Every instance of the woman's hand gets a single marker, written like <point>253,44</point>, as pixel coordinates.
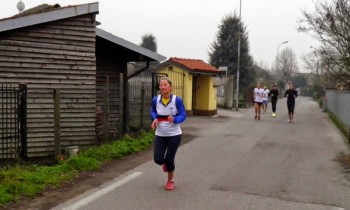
<point>171,119</point>
<point>154,124</point>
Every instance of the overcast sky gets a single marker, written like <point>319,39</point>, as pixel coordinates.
<point>187,28</point>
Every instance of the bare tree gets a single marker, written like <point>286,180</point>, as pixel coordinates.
<point>330,24</point>
<point>263,64</point>
<point>312,63</point>
<point>287,64</point>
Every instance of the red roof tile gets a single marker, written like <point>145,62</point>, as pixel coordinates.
<point>195,65</point>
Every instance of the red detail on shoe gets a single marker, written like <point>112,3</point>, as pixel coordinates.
<point>170,185</point>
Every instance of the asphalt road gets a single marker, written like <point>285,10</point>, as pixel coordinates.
<point>237,162</point>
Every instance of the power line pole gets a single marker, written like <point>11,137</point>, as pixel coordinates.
<point>239,54</point>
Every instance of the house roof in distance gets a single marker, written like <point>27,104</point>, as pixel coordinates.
<point>192,65</point>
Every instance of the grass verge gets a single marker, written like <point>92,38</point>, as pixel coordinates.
<point>344,160</point>
<point>340,125</point>
<point>31,180</point>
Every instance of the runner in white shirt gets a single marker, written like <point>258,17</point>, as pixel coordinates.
<point>258,100</point>
<point>265,98</point>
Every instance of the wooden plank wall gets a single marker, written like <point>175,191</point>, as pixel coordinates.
<point>57,55</point>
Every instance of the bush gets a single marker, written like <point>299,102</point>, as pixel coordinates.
<point>320,102</point>
<point>316,95</point>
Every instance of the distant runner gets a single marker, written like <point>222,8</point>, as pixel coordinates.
<point>291,94</point>
<point>274,96</point>
<point>265,98</point>
<point>258,100</point>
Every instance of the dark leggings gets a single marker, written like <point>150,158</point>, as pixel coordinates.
<point>290,105</point>
<point>165,148</point>
<point>273,103</point>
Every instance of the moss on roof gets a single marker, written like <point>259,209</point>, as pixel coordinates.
<point>35,10</point>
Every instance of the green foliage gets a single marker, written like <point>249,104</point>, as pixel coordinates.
<point>224,51</point>
<point>30,180</point>
<point>127,145</point>
<point>318,91</point>
<point>316,95</point>
<point>81,163</point>
<point>320,102</point>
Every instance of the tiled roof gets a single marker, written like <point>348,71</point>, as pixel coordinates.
<point>195,65</point>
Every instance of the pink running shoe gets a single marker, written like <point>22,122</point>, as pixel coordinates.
<point>170,185</point>
<point>164,167</point>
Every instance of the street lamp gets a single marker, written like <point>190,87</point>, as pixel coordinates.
<point>285,42</point>
<point>239,53</point>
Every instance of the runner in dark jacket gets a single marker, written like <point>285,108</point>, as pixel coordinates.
<point>291,94</point>
<point>274,96</point>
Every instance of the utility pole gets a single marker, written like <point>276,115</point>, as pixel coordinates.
<point>277,59</point>
<point>239,53</point>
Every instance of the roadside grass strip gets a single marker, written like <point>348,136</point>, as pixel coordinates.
<point>340,125</point>
<point>30,180</point>
<point>344,160</point>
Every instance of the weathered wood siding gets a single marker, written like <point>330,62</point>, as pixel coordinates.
<point>57,55</point>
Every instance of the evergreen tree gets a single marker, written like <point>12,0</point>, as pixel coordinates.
<point>149,42</point>
<point>224,51</point>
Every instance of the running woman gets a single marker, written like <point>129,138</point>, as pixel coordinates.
<point>167,113</point>
<point>291,94</point>
<point>258,100</point>
<point>265,98</point>
<point>274,96</point>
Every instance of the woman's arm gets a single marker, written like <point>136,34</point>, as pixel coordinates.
<point>181,116</point>
<point>153,110</point>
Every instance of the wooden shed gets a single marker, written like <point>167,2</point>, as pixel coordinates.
<point>59,48</point>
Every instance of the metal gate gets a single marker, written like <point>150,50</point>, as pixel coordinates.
<point>13,117</point>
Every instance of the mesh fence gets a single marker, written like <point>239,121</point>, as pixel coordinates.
<point>338,102</point>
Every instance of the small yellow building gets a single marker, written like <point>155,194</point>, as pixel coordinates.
<point>193,81</point>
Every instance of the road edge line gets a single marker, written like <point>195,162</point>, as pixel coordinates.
<point>101,192</point>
